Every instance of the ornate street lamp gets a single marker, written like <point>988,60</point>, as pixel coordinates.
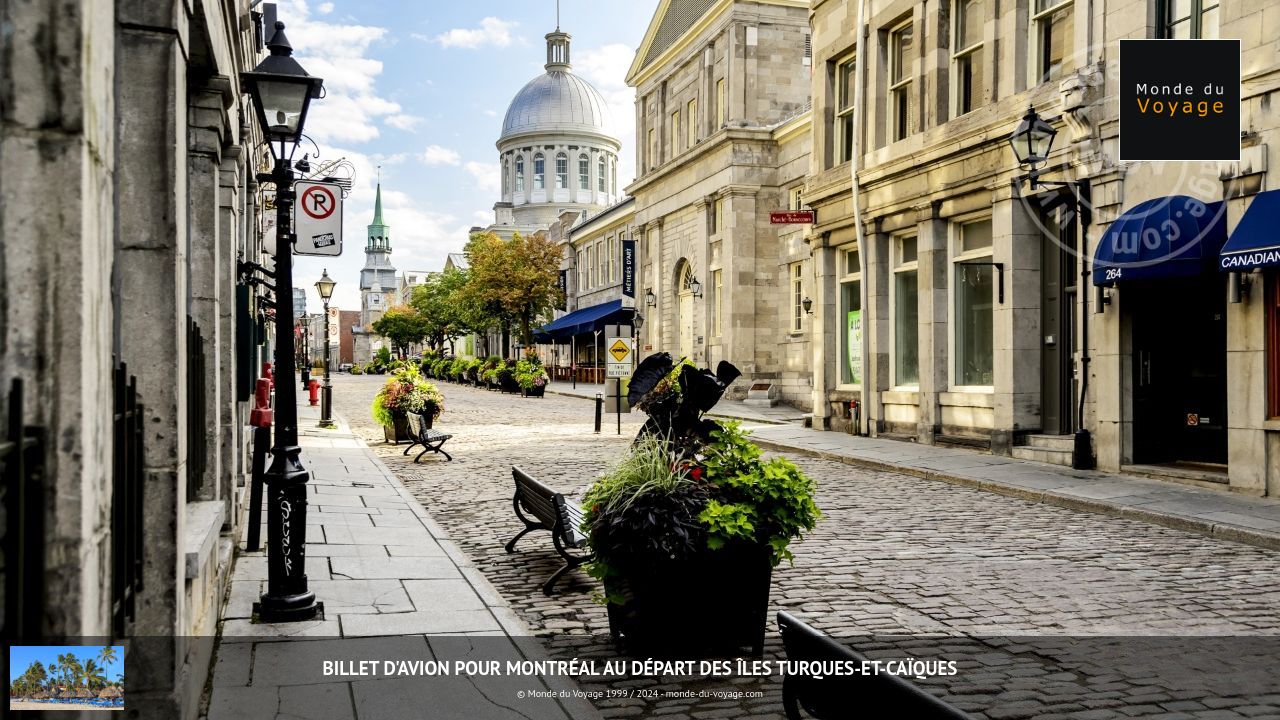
<point>695,287</point>
<point>649,298</point>
<point>1032,141</point>
<point>324,286</point>
<point>281,92</point>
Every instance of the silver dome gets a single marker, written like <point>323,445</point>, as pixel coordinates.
<point>558,102</point>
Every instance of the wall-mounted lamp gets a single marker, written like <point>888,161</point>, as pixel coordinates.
<point>1238,287</point>
<point>696,287</point>
<point>638,321</point>
<point>649,298</point>
<point>807,304</point>
<point>1101,298</point>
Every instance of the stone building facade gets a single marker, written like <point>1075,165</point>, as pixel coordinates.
<point>956,303</point>
<point>127,148</point>
<point>722,99</point>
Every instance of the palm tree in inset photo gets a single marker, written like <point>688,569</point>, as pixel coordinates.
<point>107,655</point>
<point>92,677</point>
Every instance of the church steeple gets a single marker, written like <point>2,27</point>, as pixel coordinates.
<point>379,234</point>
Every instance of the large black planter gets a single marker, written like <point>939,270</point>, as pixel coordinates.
<point>535,391</point>
<point>399,432</point>
<point>714,604</point>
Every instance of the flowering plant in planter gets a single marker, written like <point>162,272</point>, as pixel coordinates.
<point>687,526</point>
<point>530,374</point>
<point>406,391</point>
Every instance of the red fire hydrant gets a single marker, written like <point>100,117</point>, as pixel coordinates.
<point>260,416</point>
<point>266,373</point>
<point>313,388</point>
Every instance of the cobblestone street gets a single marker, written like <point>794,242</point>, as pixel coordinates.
<point>1041,606</point>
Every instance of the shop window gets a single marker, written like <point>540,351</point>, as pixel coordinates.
<point>966,58</point>
<point>797,296</point>
<point>850,319</point>
<point>974,282</point>
<point>906,313</point>
<point>1051,26</point>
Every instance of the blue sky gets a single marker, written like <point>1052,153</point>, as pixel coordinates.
<point>21,657</point>
<point>420,88</point>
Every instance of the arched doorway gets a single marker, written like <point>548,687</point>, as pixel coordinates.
<point>684,309</point>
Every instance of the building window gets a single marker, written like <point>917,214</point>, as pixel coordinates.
<point>721,99</point>
<point>1273,343</point>
<point>691,118</point>
<point>846,79</point>
<point>1052,28</point>
<point>653,149</point>
<point>796,274</point>
<point>583,264</point>
<point>600,173</point>
<point>974,283</point>
<point>591,268</point>
<point>715,216</point>
<point>562,171</point>
<point>850,319</point>
<point>584,172</point>
<point>901,44</point>
<point>675,133</point>
<point>520,174</point>
<point>1184,19</point>
<point>967,56</point>
<point>717,303</point>
<point>602,264</point>
<point>539,172</point>
<point>793,198</point>
<point>906,313</point>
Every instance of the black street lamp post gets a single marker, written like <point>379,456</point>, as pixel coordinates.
<point>282,91</point>
<point>324,286</point>
<point>1032,141</point>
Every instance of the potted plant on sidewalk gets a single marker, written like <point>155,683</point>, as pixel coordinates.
<point>405,392</point>
<point>531,376</point>
<point>687,527</point>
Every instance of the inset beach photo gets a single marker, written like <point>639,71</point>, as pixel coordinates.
<point>66,677</point>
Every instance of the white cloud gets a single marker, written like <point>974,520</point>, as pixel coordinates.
<point>606,68</point>
<point>491,113</point>
<point>492,31</point>
<point>404,122</point>
<point>324,8</point>
<point>436,155</point>
<point>488,178</point>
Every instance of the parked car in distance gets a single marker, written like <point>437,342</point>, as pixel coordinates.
<point>344,367</point>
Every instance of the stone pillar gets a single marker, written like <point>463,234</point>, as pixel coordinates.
<point>56,152</point>
<point>931,252</point>
<point>826,336</point>
<point>151,263</point>
<point>204,161</point>
<point>1016,323</point>
<point>877,327</point>
<point>230,226</point>
<point>742,293</point>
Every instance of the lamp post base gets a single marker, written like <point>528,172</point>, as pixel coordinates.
<point>296,608</point>
<point>1082,454</point>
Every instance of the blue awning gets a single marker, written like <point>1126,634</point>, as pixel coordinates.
<point>583,320</point>
<point>1255,242</point>
<point>1165,237</point>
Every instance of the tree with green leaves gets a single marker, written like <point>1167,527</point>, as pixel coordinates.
<point>518,278</point>
<point>445,308</point>
<point>107,655</point>
<point>402,326</point>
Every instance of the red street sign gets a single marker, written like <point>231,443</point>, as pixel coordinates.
<point>792,217</point>
<point>318,202</point>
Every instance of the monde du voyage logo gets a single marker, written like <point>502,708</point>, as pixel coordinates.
<point>1179,99</point>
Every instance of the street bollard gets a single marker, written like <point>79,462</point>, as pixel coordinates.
<point>306,377</point>
<point>599,410</point>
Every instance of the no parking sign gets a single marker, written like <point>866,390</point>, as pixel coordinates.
<point>317,218</point>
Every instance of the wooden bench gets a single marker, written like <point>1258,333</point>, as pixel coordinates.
<point>837,697</point>
<point>420,433</point>
<point>541,508</point>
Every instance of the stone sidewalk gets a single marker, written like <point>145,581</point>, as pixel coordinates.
<point>1255,521</point>
<point>394,587</point>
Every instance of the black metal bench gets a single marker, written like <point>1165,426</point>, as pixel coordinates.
<point>420,433</point>
<point>550,511</point>
<point>841,697</point>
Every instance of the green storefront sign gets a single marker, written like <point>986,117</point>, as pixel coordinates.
<point>854,346</point>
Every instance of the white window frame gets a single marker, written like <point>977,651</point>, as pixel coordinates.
<point>691,122</point>
<point>1034,67</point>
<point>601,171</point>
<point>519,173</point>
<point>904,82</point>
<point>959,55</point>
<point>584,172</point>
<point>957,254</point>
<point>899,266</point>
<point>845,111</point>
<point>539,172</point>
<point>842,326</point>
<point>795,278</point>
<point>562,171</point>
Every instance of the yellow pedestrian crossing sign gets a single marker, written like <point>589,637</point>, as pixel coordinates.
<point>620,349</point>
